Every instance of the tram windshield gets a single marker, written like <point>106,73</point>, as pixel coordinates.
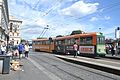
<point>100,40</point>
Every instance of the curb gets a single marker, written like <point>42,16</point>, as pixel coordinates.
<point>99,66</point>
<point>113,57</point>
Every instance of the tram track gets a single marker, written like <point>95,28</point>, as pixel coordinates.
<point>57,68</point>
<point>79,68</point>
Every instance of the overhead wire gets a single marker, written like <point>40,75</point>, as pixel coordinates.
<point>105,9</point>
<point>36,4</point>
<point>46,13</point>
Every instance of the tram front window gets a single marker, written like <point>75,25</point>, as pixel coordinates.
<point>101,40</point>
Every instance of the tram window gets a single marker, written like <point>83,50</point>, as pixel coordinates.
<point>47,42</point>
<point>55,42</point>
<point>89,40</point>
<point>76,40</point>
<point>86,40</point>
<point>44,42</point>
<point>40,42</point>
<point>82,40</point>
<point>100,40</point>
<point>73,40</point>
<point>33,42</point>
<point>58,42</point>
<point>37,42</point>
<point>67,41</point>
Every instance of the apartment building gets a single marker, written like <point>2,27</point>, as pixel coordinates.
<point>4,21</point>
<point>14,31</point>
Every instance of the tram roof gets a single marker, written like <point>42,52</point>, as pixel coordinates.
<point>76,35</point>
<point>41,39</point>
<point>67,37</point>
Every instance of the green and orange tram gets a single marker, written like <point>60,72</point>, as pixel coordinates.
<point>90,44</point>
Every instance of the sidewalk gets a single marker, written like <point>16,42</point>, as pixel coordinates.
<point>28,72</point>
<point>113,57</point>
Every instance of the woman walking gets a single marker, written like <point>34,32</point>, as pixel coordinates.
<point>26,50</point>
<point>75,48</point>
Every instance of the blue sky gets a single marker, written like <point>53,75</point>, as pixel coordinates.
<point>64,16</point>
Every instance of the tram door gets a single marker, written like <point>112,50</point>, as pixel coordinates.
<point>60,48</point>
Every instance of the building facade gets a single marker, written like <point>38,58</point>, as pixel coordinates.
<point>4,20</point>
<point>14,31</point>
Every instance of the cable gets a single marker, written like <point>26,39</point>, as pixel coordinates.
<point>36,4</point>
<point>52,8</point>
<point>44,33</point>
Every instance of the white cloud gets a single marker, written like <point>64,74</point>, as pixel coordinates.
<point>80,8</point>
<point>41,22</point>
<point>34,20</point>
<point>100,18</point>
<point>107,17</point>
<point>94,19</point>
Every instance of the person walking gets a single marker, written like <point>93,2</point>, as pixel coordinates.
<point>26,50</point>
<point>3,49</point>
<point>75,48</point>
<point>20,49</point>
<point>113,50</point>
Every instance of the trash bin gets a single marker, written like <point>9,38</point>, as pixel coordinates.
<point>1,65</point>
<point>4,64</point>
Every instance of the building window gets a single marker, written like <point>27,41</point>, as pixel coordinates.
<point>15,29</point>
<point>17,34</point>
<point>17,42</point>
<point>11,24</point>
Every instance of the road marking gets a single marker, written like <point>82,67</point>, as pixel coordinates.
<point>49,74</point>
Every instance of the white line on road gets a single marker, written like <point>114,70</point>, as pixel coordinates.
<point>49,74</point>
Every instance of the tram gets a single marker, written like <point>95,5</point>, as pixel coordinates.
<point>90,44</point>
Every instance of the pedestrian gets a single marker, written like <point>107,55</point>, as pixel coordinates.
<point>3,48</point>
<point>15,52</point>
<point>20,49</point>
<point>113,50</point>
<point>75,49</point>
<point>26,50</point>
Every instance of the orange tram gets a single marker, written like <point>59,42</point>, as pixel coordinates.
<point>90,44</point>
